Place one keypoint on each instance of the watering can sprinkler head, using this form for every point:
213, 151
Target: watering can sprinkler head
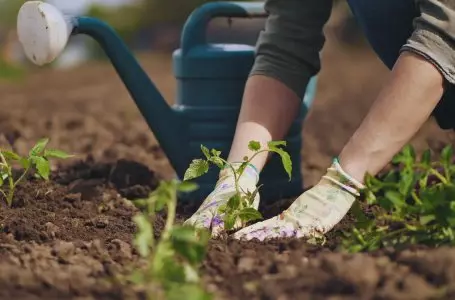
43, 31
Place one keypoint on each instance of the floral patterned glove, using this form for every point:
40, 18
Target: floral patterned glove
207, 215
317, 210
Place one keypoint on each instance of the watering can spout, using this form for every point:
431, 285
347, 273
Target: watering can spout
44, 32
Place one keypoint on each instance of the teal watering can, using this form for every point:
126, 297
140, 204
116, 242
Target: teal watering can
210, 82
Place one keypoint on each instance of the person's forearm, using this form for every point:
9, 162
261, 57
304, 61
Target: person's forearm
404, 104
268, 109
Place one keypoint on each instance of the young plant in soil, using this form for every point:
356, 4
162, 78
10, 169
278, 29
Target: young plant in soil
239, 206
37, 160
412, 204
173, 259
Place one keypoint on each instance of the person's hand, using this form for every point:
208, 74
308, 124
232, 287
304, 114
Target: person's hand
316, 211
207, 216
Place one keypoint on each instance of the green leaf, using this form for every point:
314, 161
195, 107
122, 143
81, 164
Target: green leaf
406, 156
190, 291
144, 238
254, 146
197, 168
215, 152
285, 160
249, 214
10, 155
222, 208
229, 221
275, 144
205, 151
169, 270
39, 147
254, 194
187, 187
395, 197
407, 181
424, 220
446, 155
358, 212
42, 167
426, 158
189, 243
234, 202
25, 163
162, 195
409, 152
218, 161
53, 153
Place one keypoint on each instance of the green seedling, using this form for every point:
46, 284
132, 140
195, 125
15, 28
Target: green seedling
37, 160
240, 205
414, 204
173, 259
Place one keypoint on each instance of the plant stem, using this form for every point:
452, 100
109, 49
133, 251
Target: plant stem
236, 178
21, 177
9, 197
439, 176
171, 207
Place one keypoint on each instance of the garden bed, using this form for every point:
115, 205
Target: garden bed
71, 237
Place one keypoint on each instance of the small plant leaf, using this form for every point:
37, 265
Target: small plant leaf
39, 147
254, 146
206, 152
234, 202
424, 220
10, 155
218, 161
143, 239
187, 187
42, 167
395, 197
447, 154
274, 144
54, 153
197, 168
426, 158
222, 208
253, 195
25, 163
249, 214
187, 291
229, 221
189, 243
215, 152
285, 159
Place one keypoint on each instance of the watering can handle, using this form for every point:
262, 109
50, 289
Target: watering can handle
194, 31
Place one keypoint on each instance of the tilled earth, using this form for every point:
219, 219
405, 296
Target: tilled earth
67, 238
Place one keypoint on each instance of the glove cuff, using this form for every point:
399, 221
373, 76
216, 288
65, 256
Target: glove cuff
338, 176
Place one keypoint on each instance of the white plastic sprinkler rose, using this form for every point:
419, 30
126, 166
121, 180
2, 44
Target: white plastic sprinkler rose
43, 31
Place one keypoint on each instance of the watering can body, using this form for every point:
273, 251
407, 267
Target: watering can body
210, 84
210, 81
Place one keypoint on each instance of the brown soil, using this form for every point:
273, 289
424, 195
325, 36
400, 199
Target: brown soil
67, 238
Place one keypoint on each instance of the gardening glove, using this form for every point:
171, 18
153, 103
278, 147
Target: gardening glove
207, 215
314, 213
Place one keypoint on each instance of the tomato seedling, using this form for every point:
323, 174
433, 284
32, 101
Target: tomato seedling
174, 258
240, 205
37, 160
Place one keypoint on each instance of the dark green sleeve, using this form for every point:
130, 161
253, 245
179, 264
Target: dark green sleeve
288, 48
